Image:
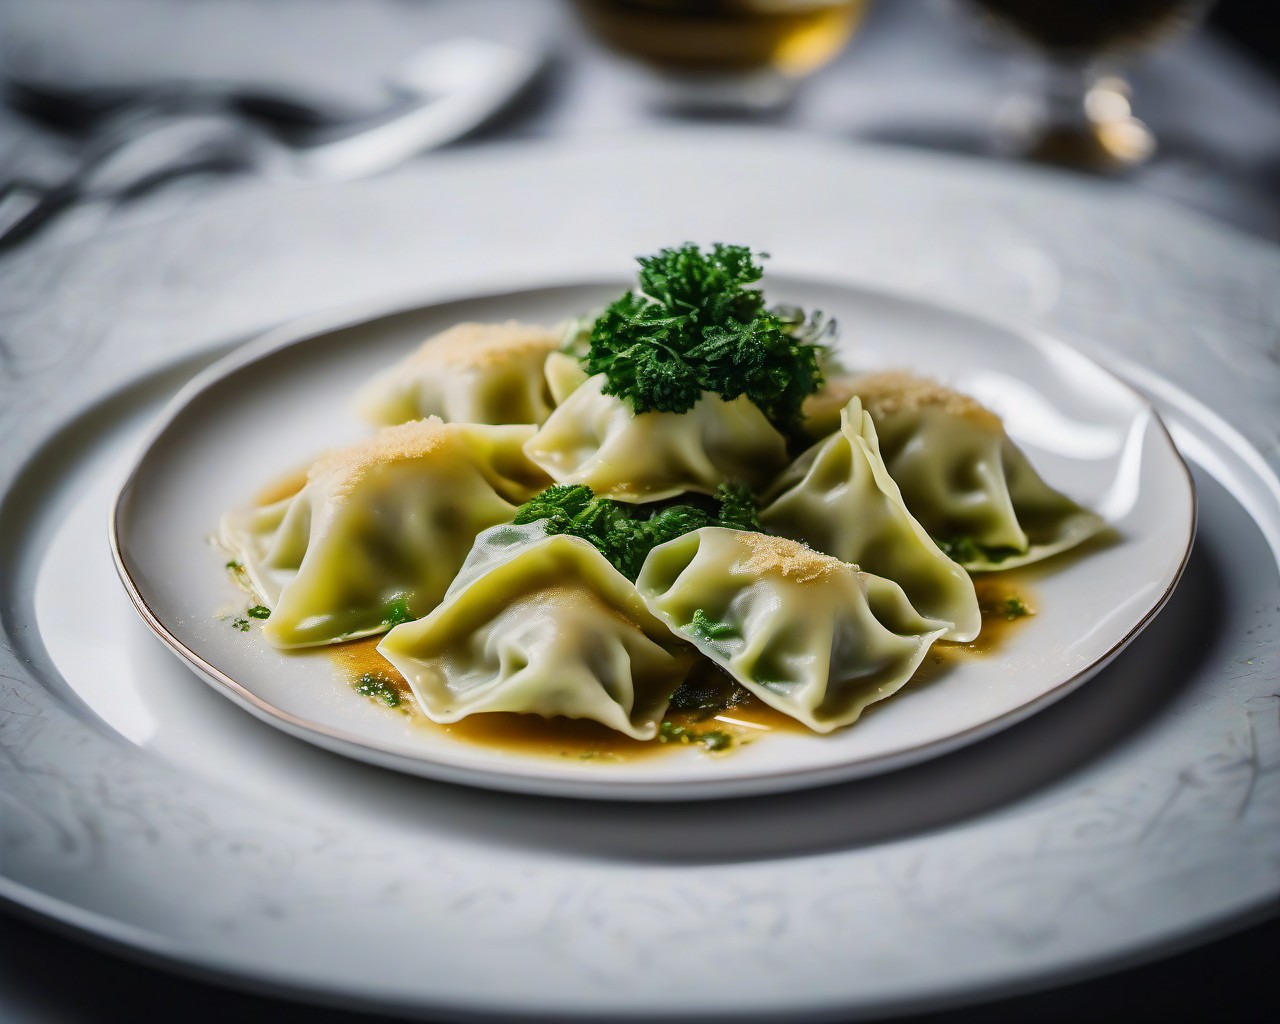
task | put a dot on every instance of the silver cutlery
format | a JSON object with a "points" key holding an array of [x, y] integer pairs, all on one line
{"points": [[443, 90]]}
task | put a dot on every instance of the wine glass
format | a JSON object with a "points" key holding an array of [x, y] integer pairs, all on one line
{"points": [[745, 56], [1085, 118]]}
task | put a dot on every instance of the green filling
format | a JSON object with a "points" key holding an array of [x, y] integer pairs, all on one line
{"points": [[967, 551], [396, 611], [709, 630]]}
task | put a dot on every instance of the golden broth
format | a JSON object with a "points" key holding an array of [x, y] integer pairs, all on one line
{"points": [[732, 712]]}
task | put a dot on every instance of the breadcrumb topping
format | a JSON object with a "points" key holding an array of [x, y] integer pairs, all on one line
{"points": [[787, 558], [341, 469], [484, 345], [893, 391]]}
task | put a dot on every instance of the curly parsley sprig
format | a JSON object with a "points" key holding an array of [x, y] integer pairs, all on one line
{"points": [[694, 326], [624, 533]]}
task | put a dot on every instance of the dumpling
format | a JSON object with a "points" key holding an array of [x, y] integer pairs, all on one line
{"points": [[839, 498], [564, 375], [962, 477], [471, 373], [379, 529], [820, 413], [598, 440], [541, 625], [810, 635]]}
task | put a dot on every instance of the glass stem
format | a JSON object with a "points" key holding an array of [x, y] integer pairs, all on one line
{"points": [[1066, 91]]}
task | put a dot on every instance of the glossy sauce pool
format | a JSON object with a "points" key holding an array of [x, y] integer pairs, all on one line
{"points": [[746, 720]]}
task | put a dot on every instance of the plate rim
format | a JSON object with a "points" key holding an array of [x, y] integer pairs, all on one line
{"points": [[530, 776]]}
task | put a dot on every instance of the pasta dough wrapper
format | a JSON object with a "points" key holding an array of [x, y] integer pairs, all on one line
{"points": [[963, 478], [810, 635], [471, 373], [599, 440], [838, 497], [541, 625], [379, 529], [564, 376]]}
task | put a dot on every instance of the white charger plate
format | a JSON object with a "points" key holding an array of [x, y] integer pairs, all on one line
{"points": [[1134, 817], [263, 412]]}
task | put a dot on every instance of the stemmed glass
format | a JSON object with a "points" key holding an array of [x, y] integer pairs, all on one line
{"points": [[1084, 118], [724, 56]]}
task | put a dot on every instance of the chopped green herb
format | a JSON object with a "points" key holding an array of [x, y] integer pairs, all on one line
{"points": [[694, 326], [378, 688], [739, 509], [711, 739], [235, 566], [812, 329], [625, 533], [716, 739], [559, 505], [1014, 608], [259, 611], [396, 611], [240, 624]]}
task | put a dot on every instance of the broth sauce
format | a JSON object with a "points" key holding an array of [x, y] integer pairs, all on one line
{"points": [[716, 714]]}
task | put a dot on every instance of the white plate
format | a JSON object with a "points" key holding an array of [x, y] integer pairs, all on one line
{"points": [[1135, 816], [263, 412]]}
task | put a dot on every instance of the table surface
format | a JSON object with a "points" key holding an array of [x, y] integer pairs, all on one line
{"points": [[1218, 119]]}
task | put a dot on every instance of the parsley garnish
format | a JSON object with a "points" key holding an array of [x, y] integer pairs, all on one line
{"points": [[625, 533], [712, 739], [379, 688], [1013, 607], [739, 509], [694, 326], [259, 611]]}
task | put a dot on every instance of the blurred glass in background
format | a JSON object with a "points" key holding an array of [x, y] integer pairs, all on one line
{"points": [[115, 109], [725, 55], [1084, 118]]}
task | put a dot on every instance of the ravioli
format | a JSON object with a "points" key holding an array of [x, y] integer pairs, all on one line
{"points": [[471, 373], [810, 635], [379, 529], [564, 375], [962, 477], [839, 498], [494, 540], [541, 625], [599, 440]]}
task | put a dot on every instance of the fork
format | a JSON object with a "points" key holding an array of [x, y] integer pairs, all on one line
{"points": [[447, 89]]}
